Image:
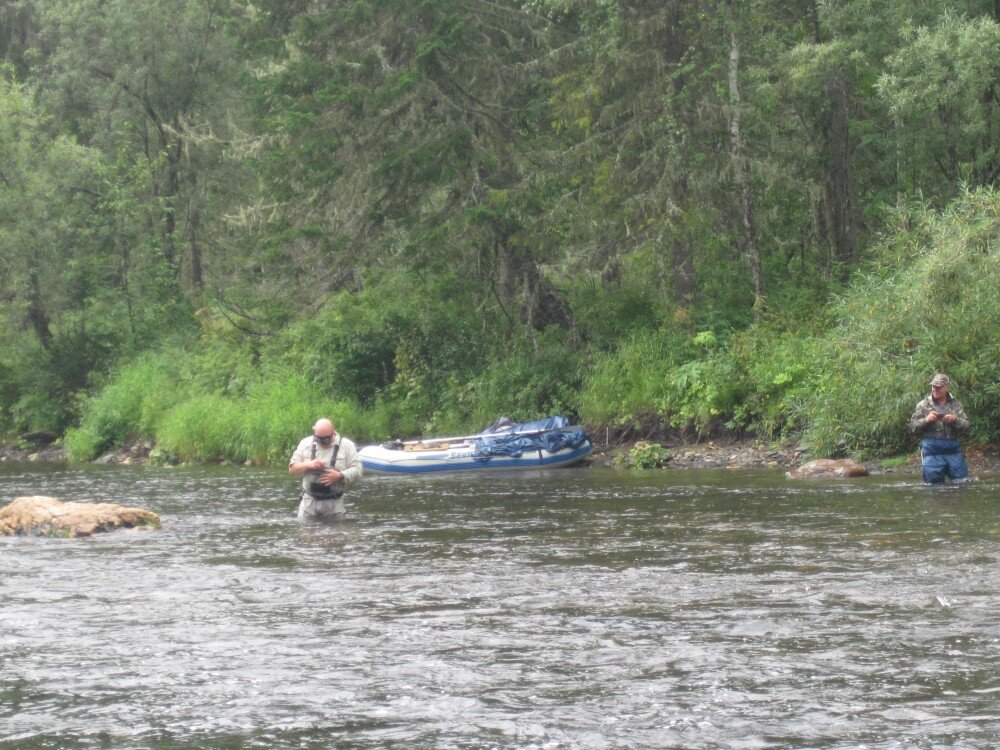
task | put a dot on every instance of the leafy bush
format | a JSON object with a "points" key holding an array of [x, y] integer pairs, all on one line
{"points": [[642, 455], [775, 369], [39, 387], [629, 382], [132, 403], [678, 381], [939, 312], [201, 428], [346, 348], [360, 345], [700, 394]]}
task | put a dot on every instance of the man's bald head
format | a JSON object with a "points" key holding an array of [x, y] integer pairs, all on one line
{"points": [[323, 428]]}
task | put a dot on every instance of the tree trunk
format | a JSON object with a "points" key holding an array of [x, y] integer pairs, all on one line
{"points": [[990, 170], [750, 249], [37, 316], [541, 306], [678, 196], [193, 229], [683, 273], [17, 35], [841, 180], [523, 287], [171, 190], [682, 255], [838, 179]]}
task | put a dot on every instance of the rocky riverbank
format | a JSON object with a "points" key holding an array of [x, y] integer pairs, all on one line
{"points": [[984, 460], [135, 453], [707, 455]]}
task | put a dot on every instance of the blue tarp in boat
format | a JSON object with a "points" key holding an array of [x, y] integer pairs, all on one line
{"points": [[506, 438]]}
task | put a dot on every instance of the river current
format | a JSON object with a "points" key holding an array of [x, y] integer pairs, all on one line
{"points": [[571, 608]]}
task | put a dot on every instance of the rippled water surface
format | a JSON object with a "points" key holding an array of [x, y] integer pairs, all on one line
{"points": [[574, 608]]}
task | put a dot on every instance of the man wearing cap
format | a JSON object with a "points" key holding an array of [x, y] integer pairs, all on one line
{"points": [[940, 418], [328, 463]]}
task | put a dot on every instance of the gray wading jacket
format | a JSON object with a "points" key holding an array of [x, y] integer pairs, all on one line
{"points": [[348, 462]]}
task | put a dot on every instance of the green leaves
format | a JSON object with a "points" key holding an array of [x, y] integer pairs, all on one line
{"points": [[937, 313], [399, 199], [940, 89]]}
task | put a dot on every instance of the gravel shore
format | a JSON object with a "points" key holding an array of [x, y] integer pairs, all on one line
{"points": [[984, 460]]}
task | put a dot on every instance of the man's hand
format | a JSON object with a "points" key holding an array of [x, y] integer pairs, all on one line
{"points": [[304, 467], [329, 476]]}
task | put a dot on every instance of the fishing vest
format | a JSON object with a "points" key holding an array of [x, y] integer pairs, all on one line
{"points": [[322, 491]]}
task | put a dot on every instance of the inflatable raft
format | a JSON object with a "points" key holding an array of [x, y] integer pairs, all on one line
{"points": [[503, 445]]}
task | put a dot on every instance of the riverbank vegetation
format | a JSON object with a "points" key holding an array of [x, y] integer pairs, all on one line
{"points": [[221, 220]]}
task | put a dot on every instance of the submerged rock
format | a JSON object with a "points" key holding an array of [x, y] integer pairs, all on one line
{"points": [[828, 468], [38, 515]]}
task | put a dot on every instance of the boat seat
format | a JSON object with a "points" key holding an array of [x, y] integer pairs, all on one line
{"points": [[430, 447]]}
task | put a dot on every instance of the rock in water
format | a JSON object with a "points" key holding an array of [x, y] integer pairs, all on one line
{"points": [[829, 468], [38, 515]]}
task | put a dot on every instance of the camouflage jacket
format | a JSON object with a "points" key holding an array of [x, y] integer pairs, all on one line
{"points": [[938, 429]]}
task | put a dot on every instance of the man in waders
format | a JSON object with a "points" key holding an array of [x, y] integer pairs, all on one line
{"points": [[328, 463], [940, 418]]}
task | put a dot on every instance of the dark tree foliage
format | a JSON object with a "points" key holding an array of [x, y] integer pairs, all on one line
{"points": [[402, 138], [399, 199]]}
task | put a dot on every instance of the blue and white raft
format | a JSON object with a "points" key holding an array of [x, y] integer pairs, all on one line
{"points": [[503, 445]]}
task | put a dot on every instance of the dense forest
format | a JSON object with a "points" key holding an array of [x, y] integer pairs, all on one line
{"points": [[220, 219]]}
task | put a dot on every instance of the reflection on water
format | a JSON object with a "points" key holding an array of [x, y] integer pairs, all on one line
{"points": [[575, 608]]}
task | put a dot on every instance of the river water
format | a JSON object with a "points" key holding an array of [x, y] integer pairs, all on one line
{"points": [[572, 608]]}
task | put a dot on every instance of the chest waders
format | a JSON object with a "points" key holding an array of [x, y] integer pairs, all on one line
{"points": [[321, 491]]}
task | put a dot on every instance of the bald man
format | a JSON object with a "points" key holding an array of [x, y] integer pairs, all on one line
{"points": [[328, 463]]}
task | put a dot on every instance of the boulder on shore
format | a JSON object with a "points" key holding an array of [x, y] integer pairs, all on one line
{"points": [[38, 515], [824, 468]]}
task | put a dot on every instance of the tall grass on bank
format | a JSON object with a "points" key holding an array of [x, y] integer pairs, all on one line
{"points": [[930, 302], [132, 404], [261, 429], [628, 382], [166, 398], [201, 428], [662, 379], [932, 305]]}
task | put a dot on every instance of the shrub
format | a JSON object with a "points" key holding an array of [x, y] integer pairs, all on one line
{"points": [[131, 404], [678, 381], [629, 381], [201, 428], [773, 369], [899, 325], [531, 380], [642, 455]]}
